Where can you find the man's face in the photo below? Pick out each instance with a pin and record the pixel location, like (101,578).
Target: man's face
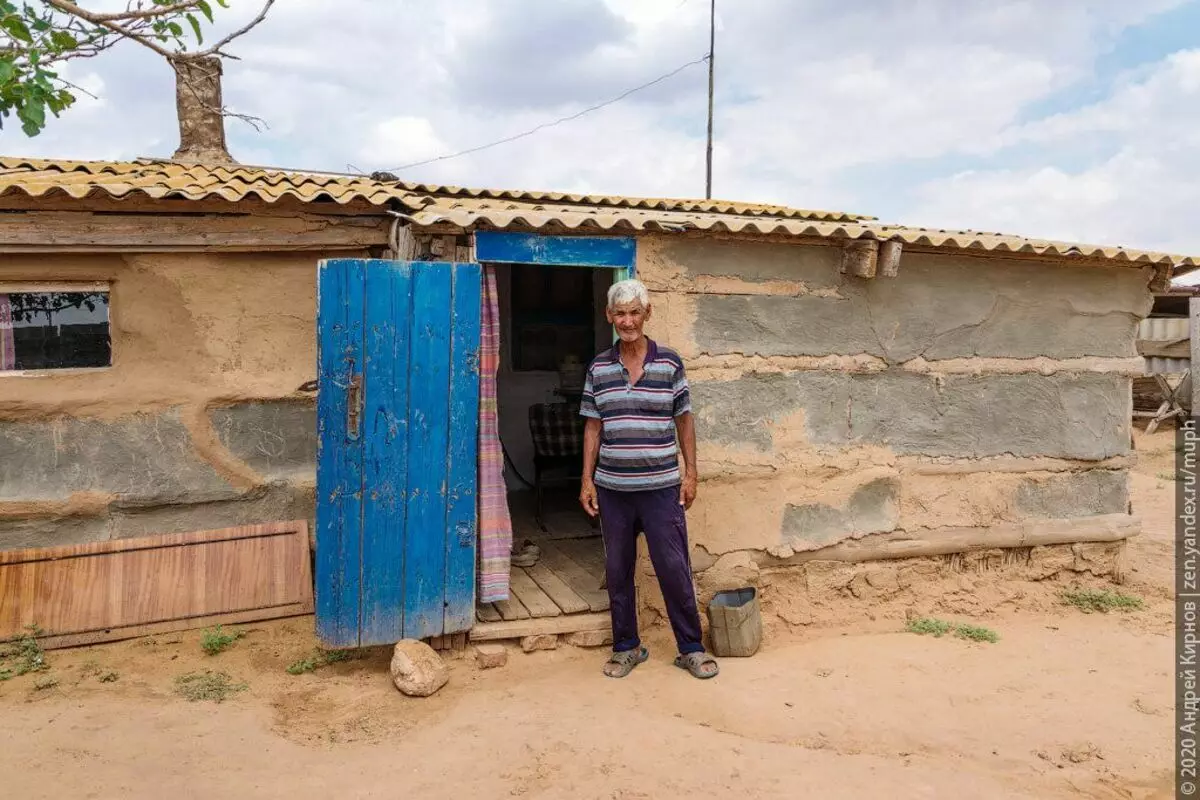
(629,318)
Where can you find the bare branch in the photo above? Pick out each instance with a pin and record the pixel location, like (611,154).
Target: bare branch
(131,24)
(215,49)
(150,13)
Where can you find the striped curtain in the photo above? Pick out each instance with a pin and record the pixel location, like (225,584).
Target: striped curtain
(8,345)
(495,525)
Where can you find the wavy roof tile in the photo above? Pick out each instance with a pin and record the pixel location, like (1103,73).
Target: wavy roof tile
(430,203)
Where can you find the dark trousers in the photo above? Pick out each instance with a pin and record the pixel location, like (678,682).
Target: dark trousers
(659,515)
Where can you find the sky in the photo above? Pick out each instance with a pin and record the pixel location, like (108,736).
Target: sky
(1075,120)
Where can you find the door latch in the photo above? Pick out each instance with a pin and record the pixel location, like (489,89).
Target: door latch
(353,405)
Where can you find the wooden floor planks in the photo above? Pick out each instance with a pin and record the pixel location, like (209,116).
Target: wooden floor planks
(531,595)
(557,589)
(584,583)
(567,580)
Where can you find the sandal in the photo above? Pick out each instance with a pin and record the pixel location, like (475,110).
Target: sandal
(527,556)
(695,663)
(625,661)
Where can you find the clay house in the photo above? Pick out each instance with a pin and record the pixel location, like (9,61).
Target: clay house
(188,347)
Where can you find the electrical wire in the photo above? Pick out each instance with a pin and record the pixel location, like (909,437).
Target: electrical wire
(559,121)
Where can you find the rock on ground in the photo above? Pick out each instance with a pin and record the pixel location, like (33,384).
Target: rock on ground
(544,641)
(589,638)
(488,656)
(417,669)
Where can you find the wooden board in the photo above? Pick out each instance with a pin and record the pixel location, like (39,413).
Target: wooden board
(339,452)
(587,553)
(488,613)
(428,437)
(119,589)
(533,598)
(385,455)
(563,595)
(42,231)
(512,609)
(569,623)
(583,582)
(463,457)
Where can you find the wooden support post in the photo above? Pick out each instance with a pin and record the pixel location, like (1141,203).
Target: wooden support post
(859,257)
(1194,335)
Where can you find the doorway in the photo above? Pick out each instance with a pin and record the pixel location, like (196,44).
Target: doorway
(552,323)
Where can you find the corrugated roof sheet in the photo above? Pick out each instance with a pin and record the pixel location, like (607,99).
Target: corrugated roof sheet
(428,204)
(503,214)
(165,179)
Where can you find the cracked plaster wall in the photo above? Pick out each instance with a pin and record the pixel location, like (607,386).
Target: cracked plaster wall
(966,392)
(826,404)
(197,424)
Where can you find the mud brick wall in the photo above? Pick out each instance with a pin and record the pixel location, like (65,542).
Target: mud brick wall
(198,423)
(968,399)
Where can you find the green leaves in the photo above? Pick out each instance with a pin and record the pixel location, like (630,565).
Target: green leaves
(16,28)
(34,36)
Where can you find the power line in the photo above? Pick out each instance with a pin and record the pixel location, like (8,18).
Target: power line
(559,121)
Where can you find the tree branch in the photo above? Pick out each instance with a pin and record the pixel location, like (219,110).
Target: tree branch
(215,49)
(151,13)
(73,10)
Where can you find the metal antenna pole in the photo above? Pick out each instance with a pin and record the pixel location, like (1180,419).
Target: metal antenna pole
(712,43)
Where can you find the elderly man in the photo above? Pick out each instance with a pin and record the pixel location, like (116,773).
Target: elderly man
(636,401)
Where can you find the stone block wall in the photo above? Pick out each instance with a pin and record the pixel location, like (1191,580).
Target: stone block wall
(967,400)
(197,424)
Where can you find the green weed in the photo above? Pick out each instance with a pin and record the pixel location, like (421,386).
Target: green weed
(318,659)
(976,633)
(23,656)
(1102,600)
(216,640)
(930,626)
(207,685)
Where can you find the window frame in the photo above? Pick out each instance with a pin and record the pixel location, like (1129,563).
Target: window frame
(62,287)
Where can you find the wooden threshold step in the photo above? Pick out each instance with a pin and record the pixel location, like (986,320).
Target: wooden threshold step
(519,628)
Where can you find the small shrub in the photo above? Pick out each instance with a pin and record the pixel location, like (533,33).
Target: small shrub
(109,677)
(320,658)
(976,633)
(930,626)
(23,656)
(1102,600)
(207,685)
(47,682)
(216,640)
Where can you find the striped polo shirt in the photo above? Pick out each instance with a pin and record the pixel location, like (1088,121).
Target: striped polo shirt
(638,450)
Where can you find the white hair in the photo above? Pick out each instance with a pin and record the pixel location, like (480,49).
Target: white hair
(629,291)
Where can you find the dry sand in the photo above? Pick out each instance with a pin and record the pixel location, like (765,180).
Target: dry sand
(1066,704)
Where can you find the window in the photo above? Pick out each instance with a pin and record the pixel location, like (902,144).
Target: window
(553,316)
(45,329)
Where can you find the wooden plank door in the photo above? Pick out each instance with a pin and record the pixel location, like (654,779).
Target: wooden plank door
(397,409)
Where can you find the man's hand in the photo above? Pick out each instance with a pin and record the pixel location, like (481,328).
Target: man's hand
(587,498)
(687,493)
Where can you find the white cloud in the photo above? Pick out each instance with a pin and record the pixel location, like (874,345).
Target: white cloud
(1144,194)
(819,103)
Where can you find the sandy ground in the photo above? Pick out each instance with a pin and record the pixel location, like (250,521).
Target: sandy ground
(1066,704)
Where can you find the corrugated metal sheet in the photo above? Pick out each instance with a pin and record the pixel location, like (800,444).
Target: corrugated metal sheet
(1164,329)
(164,179)
(429,204)
(161,180)
(466,212)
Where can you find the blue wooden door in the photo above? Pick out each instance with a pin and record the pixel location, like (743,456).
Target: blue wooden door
(397,416)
